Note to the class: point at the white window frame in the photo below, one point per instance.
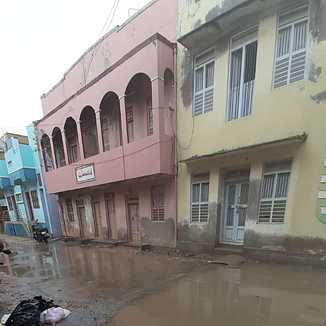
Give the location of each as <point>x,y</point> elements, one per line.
<point>157,191</point>
<point>273,198</point>
<point>291,52</point>
<point>204,64</point>
<point>200,182</point>
<point>243,45</point>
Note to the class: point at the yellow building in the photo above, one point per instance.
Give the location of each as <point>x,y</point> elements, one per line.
<point>251,124</point>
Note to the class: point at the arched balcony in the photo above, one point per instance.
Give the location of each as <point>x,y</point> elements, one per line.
<point>110,121</point>
<point>89,132</point>
<point>72,143</point>
<point>139,112</point>
<point>59,152</point>
<point>47,153</point>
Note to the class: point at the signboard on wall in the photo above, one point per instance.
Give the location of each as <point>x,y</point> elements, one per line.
<point>85,173</point>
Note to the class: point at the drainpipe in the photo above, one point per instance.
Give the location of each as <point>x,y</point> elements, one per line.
<point>175,144</point>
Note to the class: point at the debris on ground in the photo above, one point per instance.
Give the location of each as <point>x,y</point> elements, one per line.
<point>35,312</point>
<point>54,315</point>
<point>232,261</point>
<point>4,319</point>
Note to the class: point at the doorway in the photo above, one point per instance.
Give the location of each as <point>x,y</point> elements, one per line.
<point>110,212</point>
<point>96,217</point>
<point>235,211</point>
<point>16,209</point>
<point>81,213</point>
<point>133,219</point>
<point>29,206</point>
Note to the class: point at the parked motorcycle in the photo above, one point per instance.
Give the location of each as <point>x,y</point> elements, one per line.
<point>40,234</point>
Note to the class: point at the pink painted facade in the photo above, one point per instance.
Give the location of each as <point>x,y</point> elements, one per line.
<point>114,113</point>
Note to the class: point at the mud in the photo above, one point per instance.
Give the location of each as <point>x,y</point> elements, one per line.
<point>94,282</point>
<point>122,287</point>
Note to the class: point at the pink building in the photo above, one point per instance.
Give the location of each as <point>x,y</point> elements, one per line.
<point>108,133</point>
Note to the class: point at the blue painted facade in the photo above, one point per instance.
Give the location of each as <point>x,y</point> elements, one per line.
<point>22,184</point>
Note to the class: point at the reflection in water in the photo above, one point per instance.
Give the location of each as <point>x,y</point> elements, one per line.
<point>255,295</point>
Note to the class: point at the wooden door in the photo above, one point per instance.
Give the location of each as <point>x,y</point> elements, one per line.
<point>97,218</point>
<point>133,220</point>
<point>110,212</point>
<point>29,206</point>
<point>81,213</point>
<point>236,204</point>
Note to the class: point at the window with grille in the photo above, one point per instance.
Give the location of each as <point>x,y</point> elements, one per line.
<point>35,200</point>
<point>291,47</point>
<point>39,180</point>
<point>130,124</point>
<point>274,193</point>
<point>199,200</point>
<point>204,83</point>
<point>149,110</point>
<point>157,204</point>
<point>19,197</point>
<point>242,75</point>
<point>70,210</point>
<point>9,201</point>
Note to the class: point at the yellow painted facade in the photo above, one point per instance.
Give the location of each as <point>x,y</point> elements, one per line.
<point>277,114</point>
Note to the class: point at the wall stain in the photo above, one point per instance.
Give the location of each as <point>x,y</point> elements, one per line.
<point>314,73</point>
<point>319,97</point>
<point>197,24</point>
<point>318,22</point>
<point>186,88</point>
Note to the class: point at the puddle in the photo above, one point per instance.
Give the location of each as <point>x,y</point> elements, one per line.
<point>256,295</point>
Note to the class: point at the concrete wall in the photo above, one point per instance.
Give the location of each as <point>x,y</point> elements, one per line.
<point>155,233</point>
<point>277,113</point>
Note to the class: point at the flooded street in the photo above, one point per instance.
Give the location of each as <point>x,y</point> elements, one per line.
<point>122,287</point>
<point>255,295</point>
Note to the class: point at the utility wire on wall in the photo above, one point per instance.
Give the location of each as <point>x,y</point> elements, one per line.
<point>105,28</point>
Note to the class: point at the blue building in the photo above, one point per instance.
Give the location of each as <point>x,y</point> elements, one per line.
<point>21,182</point>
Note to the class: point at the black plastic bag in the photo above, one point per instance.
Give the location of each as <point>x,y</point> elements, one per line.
<point>27,312</point>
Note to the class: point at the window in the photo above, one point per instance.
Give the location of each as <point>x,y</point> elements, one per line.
<point>35,200</point>
<point>242,75</point>
<point>10,206</point>
<point>291,47</point>
<point>73,153</point>
<point>157,204</point>
<point>149,110</point>
<point>204,83</point>
<point>39,180</point>
<point>274,193</point>
<point>130,124</point>
<point>199,202</point>
<point>70,210</point>
<point>8,144</point>
<point>19,197</point>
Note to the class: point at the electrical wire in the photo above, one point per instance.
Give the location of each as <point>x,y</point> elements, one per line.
<point>107,23</point>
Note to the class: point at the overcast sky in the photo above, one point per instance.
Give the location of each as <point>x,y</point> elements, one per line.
<point>40,40</point>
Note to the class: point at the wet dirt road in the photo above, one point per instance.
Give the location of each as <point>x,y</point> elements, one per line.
<point>99,283</point>
<point>92,281</point>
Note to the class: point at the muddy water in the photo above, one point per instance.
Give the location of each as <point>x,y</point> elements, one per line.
<point>255,295</point>
<point>93,281</point>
